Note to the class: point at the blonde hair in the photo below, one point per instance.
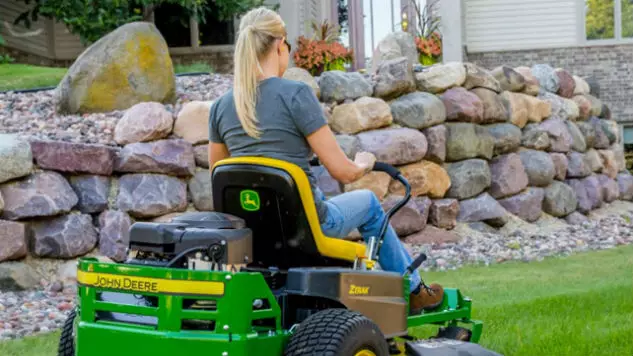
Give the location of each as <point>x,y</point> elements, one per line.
<point>259,29</point>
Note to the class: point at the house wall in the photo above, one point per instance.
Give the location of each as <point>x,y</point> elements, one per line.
<point>35,40</point>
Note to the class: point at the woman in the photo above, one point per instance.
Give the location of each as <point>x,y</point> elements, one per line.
<point>265,115</point>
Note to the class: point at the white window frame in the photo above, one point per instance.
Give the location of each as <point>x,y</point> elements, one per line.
<point>617,18</point>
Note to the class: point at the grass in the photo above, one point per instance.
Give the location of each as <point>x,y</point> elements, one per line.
<point>24,76</point>
<point>578,305</point>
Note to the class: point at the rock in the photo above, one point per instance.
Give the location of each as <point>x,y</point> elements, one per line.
<point>92,192</point>
<point>537,109</point>
<point>578,142</point>
<point>377,182</point>
<point>463,105</point>
<point>478,77</point>
<point>144,122</point>
<point>584,204</point>
<point>18,276</point>
<point>618,152</point>
<point>526,205</point>
<point>559,200</point>
<point>394,146</point>
<point>432,235</point>
<point>509,79</point>
<point>201,190</point>
<point>40,194</point>
<point>201,155</point>
<point>610,188</point>
<point>556,102</point>
<point>611,130</point>
<point>172,156</point>
<point>436,139</point>
<point>535,139</point>
<point>440,77</point>
<point>418,110</point>
<point>395,45</point>
<point>114,234</point>
<point>464,141</point>
<point>411,218</point>
<point>301,75</point>
<point>394,78</point>
<point>508,176</point>
<point>338,86</point>
<point>443,213</point>
<point>507,137</point>
<point>73,157</point>
<point>601,140</point>
<point>328,185</point>
<point>539,167</point>
<point>516,106</point>
<point>594,86</point>
<point>532,85</point>
<point>605,112</point>
<point>192,123</point>
<point>593,160</point>
<point>559,136</point>
<point>16,158</point>
<point>66,236</point>
<point>151,195</point>
<point>468,178</point>
<point>566,83</point>
<point>482,208</point>
<point>578,166</point>
<point>13,240</point>
<point>569,110</point>
<point>495,109</point>
<point>609,164</point>
<point>361,115</point>
<point>580,86</point>
<point>589,133</point>
<point>126,66</point>
<point>576,218</point>
<point>596,105</point>
<point>349,144</point>
<point>547,77</point>
<point>560,165</point>
<point>584,106</point>
<point>594,191</point>
<point>625,185</point>
<point>425,178</point>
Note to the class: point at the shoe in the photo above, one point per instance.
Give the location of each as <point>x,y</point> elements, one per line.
<point>426,299</point>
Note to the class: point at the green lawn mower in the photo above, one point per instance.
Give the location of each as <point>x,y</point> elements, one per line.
<point>257,277</point>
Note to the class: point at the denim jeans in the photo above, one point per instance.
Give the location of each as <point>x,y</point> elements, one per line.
<point>361,209</point>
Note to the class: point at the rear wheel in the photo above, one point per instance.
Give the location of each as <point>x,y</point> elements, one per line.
<point>67,339</point>
<point>337,332</point>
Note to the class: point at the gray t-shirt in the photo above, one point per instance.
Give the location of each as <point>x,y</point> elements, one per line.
<point>287,111</point>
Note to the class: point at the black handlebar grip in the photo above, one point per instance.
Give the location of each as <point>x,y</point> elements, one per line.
<point>387,168</point>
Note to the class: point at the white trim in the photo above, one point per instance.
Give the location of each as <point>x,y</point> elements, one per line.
<point>617,27</point>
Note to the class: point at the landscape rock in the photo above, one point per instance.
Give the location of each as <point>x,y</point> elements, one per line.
<point>584,203</point>
<point>192,123</point>
<point>566,83</point>
<point>412,217</point>
<point>559,136</point>
<point>589,133</point>
<point>418,110</point>
<point>39,194</point>
<point>465,140</point>
<point>393,78</point>
<point>539,167</point>
<point>18,276</point>
<point>576,218</point>
<point>570,110</point>
<point>580,86</point>
<point>395,146</point>
<point>536,139</point>
<point>625,185</point>
<point>92,191</point>
<point>560,165</point>
<point>13,240</point>
<point>201,190</point>
<point>468,178</point>
<point>596,105</point>
<point>361,115</point>
<point>73,157</point>
<point>65,236</point>
<point>144,122</point>
<point>328,185</point>
<point>584,106</point>
<point>547,77</point>
<point>610,188</point>
<point>146,195</point>
<point>463,105</point>
<point>526,205</point>
<point>349,144</point>
<point>377,182</point>
<point>16,158</point>
<point>201,155</point>
<point>425,178</point>
<point>440,77</point>
<point>601,140</point>
<point>338,86</point>
<point>443,213</point>
<point>594,190</point>
<point>436,139</point>
<point>537,109</point>
<point>516,106</point>
<point>609,164</point>
<point>126,66</point>
<point>509,79</point>
<point>532,85</point>
<point>171,156</point>
<point>592,158</point>
<point>507,137</point>
<point>114,234</point>
<point>618,153</point>
<point>559,200</point>
<point>508,176</point>
<point>611,130</point>
<point>302,75</point>
<point>578,166</point>
<point>395,45</point>
<point>494,108</point>
<point>482,208</point>
<point>578,142</point>
<point>432,235</point>
<point>605,112</point>
<point>478,77</point>
<point>556,103</point>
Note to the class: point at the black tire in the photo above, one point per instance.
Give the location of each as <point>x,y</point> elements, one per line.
<point>67,339</point>
<point>336,332</point>
<point>454,333</point>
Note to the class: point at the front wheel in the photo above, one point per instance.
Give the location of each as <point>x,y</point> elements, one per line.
<point>67,339</point>
<point>337,332</point>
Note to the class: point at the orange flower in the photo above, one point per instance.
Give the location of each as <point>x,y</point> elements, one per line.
<point>316,55</point>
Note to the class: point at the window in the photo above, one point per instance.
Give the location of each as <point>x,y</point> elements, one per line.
<point>608,19</point>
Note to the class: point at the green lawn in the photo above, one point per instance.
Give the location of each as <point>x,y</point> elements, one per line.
<point>24,76</point>
<point>579,305</point>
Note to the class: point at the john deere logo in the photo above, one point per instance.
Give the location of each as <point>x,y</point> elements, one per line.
<point>249,200</point>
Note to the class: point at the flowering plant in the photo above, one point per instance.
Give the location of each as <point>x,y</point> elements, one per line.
<point>430,48</point>
<point>322,52</point>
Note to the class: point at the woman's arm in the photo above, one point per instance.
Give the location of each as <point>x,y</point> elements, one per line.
<point>217,152</point>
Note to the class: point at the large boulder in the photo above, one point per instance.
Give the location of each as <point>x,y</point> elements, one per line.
<point>560,199</point>
<point>578,142</point>
<point>201,155</point>
<point>465,140</point>
<point>418,110</point>
<point>495,110</point>
<point>463,105</point>
<point>114,234</point>
<point>412,217</point>
<point>560,138</point>
<point>393,78</point>
<point>301,75</point>
<point>338,86</point>
<point>508,176</point>
<point>535,138</point>
<point>538,166</point>
<point>561,163</point>
<point>509,79</point>
<point>566,83</point>
<point>601,139</point>
<point>482,208</point>
<point>426,178</point>
<point>610,188</point>
<point>144,122</point>
<point>478,77</point>
<point>609,163</point>
<point>363,114</point>
<point>377,182</point>
<point>18,276</point>
<point>584,106</point>
<point>395,45</point>
<point>201,190</point>
<point>588,132</point>
<point>468,178</point>
<point>65,236</point>
<point>349,144</point>
<point>16,158</point>
<point>92,191</point>
<point>532,85</point>
<point>580,86</point>
<point>516,105</point>
<point>127,66</point>
<point>526,205</point>
<point>74,157</point>
<point>578,166</point>
<point>396,146</point>
<point>328,185</point>
<point>444,213</point>
<point>173,156</point>
<point>507,137</point>
<point>192,123</point>
<point>440,77</point>
<point>593,159</point>
<point>625,185</point>
<point>436,139</point>
<point>147,195</point>
<point>13,240</point>
<point>537,109</point>
<point>546,76</point>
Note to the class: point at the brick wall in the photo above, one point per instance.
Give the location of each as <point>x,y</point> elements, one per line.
<point>611,66</point>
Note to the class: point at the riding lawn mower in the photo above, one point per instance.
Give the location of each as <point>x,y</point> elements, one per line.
<point>257,277</point>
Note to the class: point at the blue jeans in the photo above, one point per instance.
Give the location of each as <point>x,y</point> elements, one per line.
<point>361,209</point>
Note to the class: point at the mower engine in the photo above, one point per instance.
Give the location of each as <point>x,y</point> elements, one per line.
<point>197,241</point>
